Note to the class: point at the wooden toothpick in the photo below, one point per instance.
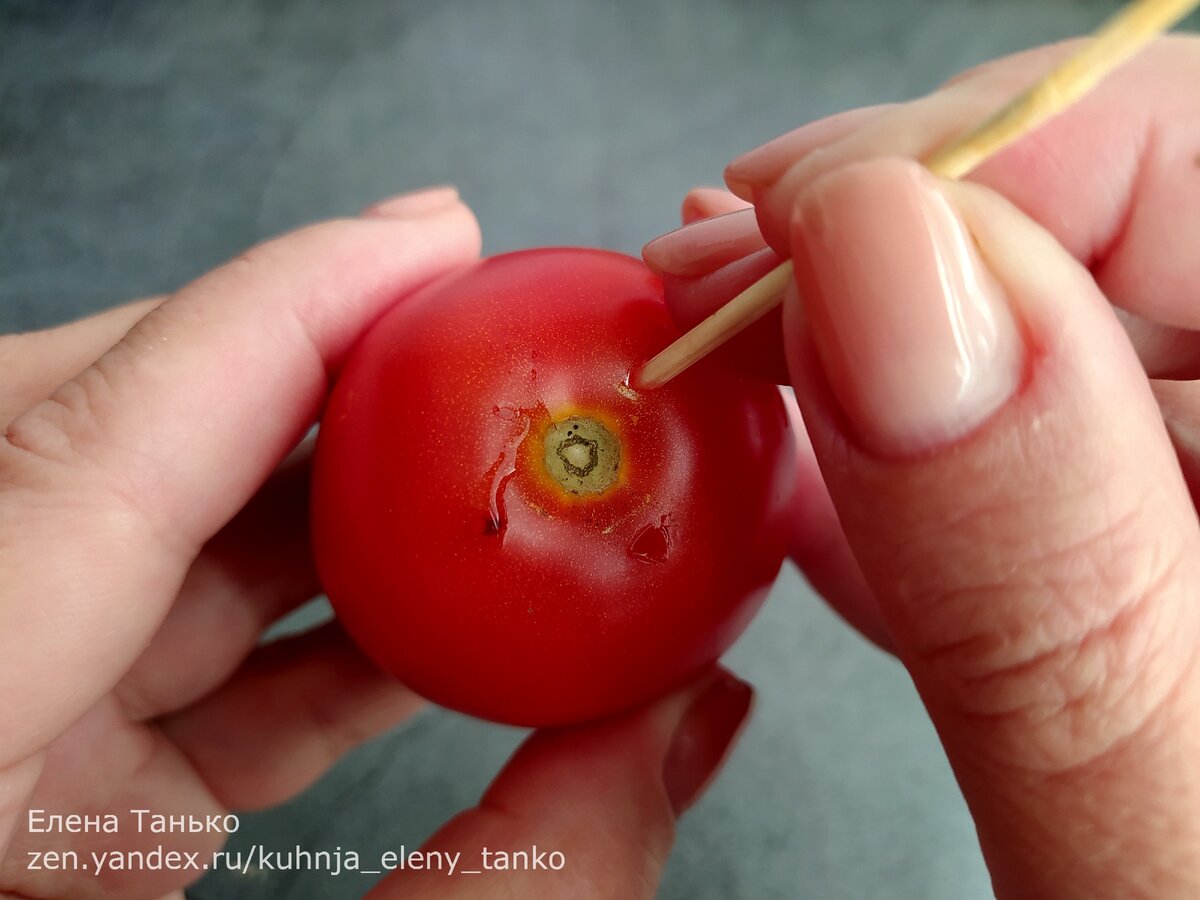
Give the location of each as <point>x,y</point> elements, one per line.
<point>1118,39</point>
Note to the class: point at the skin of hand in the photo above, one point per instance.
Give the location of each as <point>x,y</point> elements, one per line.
<point>998,379</point>
<point>153,522</point>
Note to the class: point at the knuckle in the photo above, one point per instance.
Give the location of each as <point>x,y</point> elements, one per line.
<point>66,426</point>
<point>1067,654</point>
<point>61,447</point>
<point>21,356</point>
<point>12,364</point>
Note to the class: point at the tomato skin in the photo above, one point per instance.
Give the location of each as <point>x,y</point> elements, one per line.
<point>461,567</point>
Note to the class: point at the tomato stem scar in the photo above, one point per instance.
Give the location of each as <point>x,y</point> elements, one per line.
<point>582,455</point>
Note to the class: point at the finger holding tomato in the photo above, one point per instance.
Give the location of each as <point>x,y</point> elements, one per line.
<point>999,378</point>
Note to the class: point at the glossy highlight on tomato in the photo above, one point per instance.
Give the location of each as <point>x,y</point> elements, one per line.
<point>501,522</point>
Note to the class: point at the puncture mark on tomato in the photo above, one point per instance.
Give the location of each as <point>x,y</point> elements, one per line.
<point>652,544</point>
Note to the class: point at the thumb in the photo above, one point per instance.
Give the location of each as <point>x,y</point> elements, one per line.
<point>1005,480</point>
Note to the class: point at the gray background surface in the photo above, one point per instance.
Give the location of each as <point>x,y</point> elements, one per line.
<point>143,143</point>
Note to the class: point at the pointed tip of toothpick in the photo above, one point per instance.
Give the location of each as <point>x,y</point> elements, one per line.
<point>628,388</point>
<point>730,320</point>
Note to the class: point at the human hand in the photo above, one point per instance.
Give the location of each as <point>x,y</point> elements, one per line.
<point>151,529</point>
<point>1015,472</point>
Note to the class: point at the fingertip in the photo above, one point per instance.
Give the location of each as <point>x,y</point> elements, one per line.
<point>754,175</point>
<point>459,219</point>
<point>436,216</point>
<point>449,219</point>
<point>630,754</point>
<point>738,186</point>
<point>706,202</point>
<point>705,245</point>
<point>703,739</point>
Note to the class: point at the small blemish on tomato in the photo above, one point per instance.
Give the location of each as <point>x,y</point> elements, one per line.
<point>652,544</point>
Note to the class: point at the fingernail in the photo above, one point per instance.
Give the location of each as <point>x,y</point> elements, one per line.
<point>703,739</point>
<point>915,335</point>
<point>764,165</point>
<point>414,204</point>
<point>703,246</point>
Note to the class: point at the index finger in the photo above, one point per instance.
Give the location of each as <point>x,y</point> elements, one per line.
<point>1115,178</point>
<point>109,488</point>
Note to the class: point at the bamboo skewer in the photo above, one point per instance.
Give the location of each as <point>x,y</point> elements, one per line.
<point>1114,43</point>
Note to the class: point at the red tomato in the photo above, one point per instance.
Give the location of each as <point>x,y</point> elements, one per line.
<point>504,525</point>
